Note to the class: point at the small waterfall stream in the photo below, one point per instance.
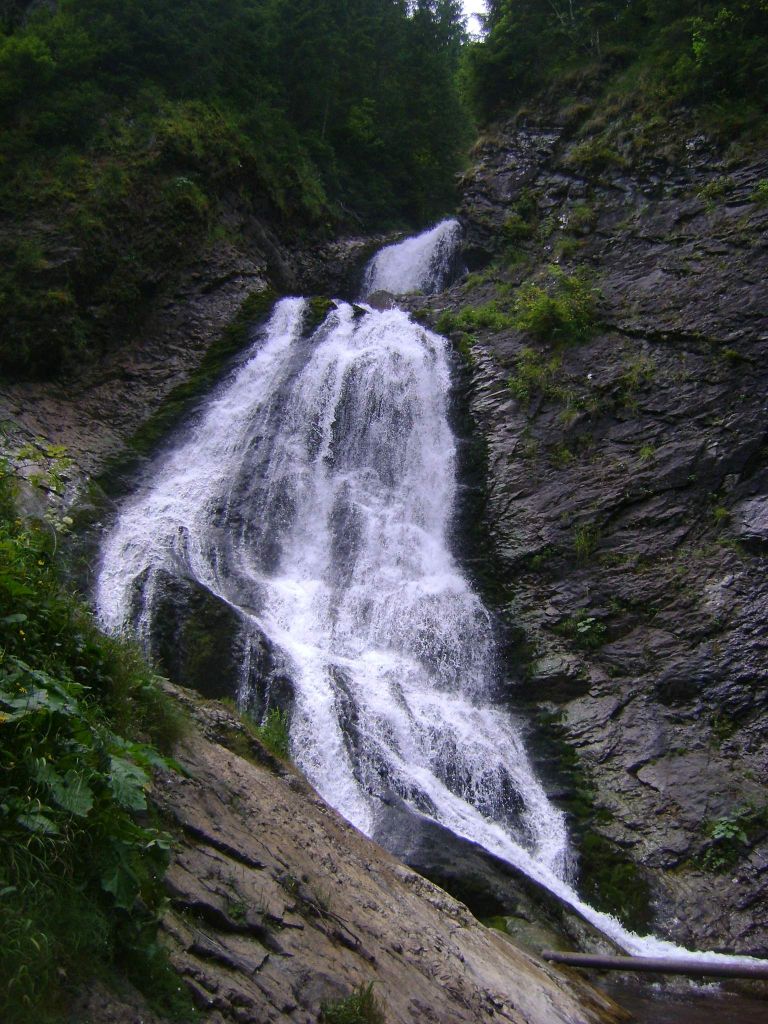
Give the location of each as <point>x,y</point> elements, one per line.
<point>314,495</point>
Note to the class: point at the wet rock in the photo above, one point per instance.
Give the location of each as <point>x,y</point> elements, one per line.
<point>626,500</point>
<point>752,522</point>
<point>277,905</point>
<point>196,637</point>
<point>488,885</point>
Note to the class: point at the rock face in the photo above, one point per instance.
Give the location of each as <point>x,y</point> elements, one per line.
<point>95,413</point>
<point>278,906</point>
<point>627,499</point>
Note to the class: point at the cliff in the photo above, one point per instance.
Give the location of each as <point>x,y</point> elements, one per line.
<point>614,334</point>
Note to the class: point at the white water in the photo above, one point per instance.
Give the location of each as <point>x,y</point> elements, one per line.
<point>314,496</point>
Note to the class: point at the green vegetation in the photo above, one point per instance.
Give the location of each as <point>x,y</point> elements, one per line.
<point>137,135</point>
<point>721,515</point>
<point>730,838</point>
<point>533,375</point>
<point>584,629</point>
<point>472,318</point>
<point>647,453</point>
<point>563,309</point>
<point>715,191</point>
<point>522,221</point>
<point>760,195</point>
<point>82,721</point>
<point>361,1007</point>
<point>273,732</point>
<point>585,541</point>
<point>661,53</point>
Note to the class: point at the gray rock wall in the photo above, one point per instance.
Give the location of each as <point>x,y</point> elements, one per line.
<point>626,505</point>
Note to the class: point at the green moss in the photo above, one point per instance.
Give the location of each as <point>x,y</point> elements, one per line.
<point>613,883</point>
<point>318,310</point>
<point>607,877</point>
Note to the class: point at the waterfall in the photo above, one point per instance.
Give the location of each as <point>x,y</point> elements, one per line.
<point>314,496</point>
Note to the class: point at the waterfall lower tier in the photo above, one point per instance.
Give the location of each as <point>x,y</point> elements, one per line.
<point>313,499</point>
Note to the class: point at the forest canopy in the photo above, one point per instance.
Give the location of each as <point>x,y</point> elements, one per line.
<point>132,127</point>
<point>697,50</point>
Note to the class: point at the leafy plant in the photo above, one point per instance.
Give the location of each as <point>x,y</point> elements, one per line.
<point>81,862</point>
<point>728,840</point>
<point>760,194</point>
<point>584,629</point>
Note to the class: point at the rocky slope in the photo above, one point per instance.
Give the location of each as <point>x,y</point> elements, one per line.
<point>627,503</point>
<point>278,906</point>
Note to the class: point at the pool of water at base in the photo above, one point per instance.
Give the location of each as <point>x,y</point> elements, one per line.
<point>662,1004</point>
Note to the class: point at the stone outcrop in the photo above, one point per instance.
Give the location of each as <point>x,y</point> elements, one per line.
<point>627,489</point>
<point>278,906</point>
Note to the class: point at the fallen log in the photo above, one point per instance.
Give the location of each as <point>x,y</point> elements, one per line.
<point>661,965</point>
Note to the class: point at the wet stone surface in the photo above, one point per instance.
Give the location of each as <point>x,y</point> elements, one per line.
<point>627,505</point>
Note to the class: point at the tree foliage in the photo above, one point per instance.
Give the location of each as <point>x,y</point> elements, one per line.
<point>133,128</point>
<point>704,49</point>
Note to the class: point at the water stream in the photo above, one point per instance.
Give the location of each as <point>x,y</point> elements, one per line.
<point>314,495</point>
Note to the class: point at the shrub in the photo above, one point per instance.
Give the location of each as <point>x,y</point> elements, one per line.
<point>563,310</point>
<point>534,375</point>
<point>593,156</point>
<point>582,219</point>
<point>516,229</point>
<point>715,191</point>
<point>471,318</point>
<point>728,840</point>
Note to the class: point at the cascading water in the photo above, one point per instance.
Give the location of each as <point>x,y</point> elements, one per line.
<point>314,497</point>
